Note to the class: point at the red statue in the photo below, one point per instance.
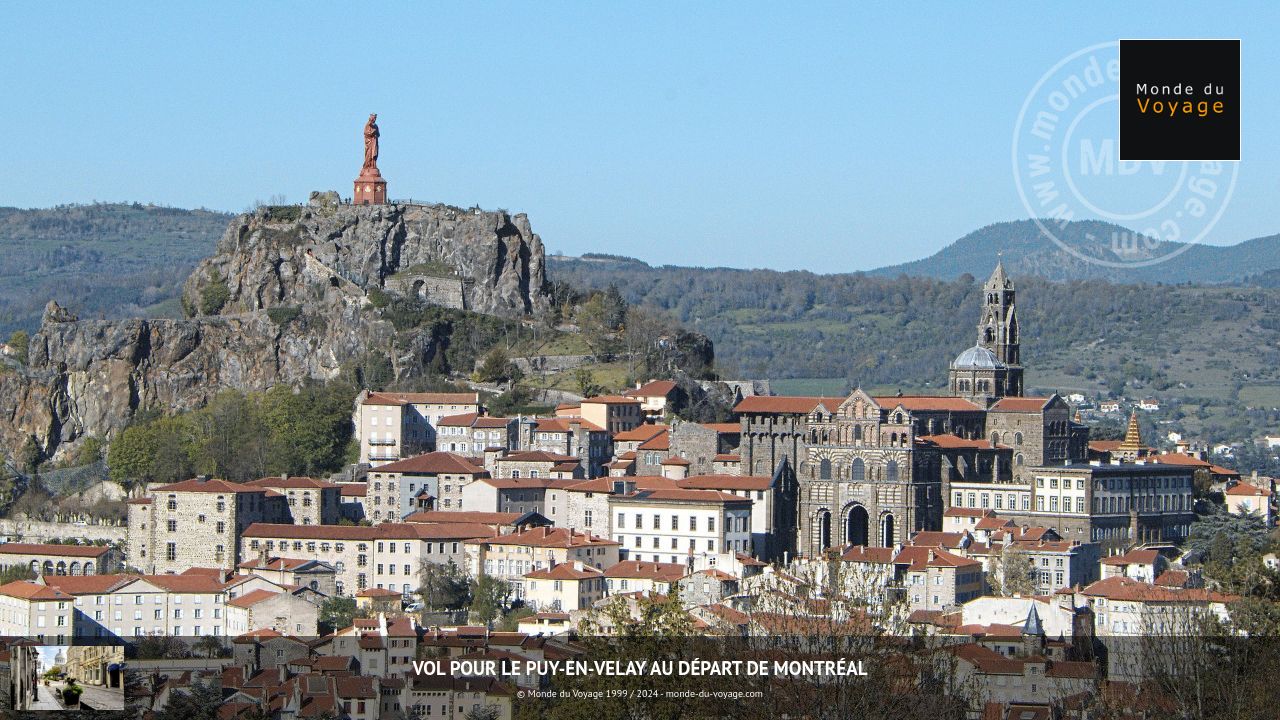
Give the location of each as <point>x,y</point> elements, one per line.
<point>371,143</point>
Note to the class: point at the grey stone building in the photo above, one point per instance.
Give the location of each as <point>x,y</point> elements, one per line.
<point>871,470</point>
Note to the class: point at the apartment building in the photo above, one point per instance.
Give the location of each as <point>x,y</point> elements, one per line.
<point>197,523</point>
<point>655,397</point>
<point>472,434</point>
<point>423,482</point>
<point>310,501</point>
<point>678,525</point>
<point>585,505</point>
<point>771,515</point>
<point>300,572</point>
<point>564,587</point>
<point>388,556</point>
<point>646,577</point>
<point>935,579</point>
<point>392,425</point>
<point>190,605</point>
<point>534,464</point>
<point>32,610</point>
<point>510,557</point>
<point>574,437</point>
<point>614,413</point>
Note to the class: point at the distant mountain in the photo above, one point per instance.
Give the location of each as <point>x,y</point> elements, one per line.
<point>110,260</point>
<point>1025,250</point>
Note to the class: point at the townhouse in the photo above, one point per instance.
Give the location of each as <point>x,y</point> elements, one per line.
<point>32,610</point>
<point>309,501</point>
<point>430,481</point>
<point>472,434</point>
<point>564,587</point>
<point>575,437</point>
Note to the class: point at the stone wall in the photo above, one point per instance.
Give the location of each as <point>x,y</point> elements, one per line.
<point>447,291</point>
<point>36,531</point>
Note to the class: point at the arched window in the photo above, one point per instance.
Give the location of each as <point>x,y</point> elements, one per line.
<point>858,470</point>
<point>48,567</point>
<point>824,469</point>
<point>75,568</point>
<point>90,568</point>
<point>857,432</point>
<point>897,418</point>
<point>1017,438</point>
<point>1017,459</point>
<point>891,471</point>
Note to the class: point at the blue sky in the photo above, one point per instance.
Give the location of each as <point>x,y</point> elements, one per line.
<point>830,137</point>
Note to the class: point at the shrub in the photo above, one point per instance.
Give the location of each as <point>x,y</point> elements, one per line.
<point>283,315</point>
<point>214,296</point>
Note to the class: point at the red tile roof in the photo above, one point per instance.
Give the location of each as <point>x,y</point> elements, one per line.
<point>948,441</point>
<point>727,482</point>
<point>1241,489</point>
<point>253,597</point>
<point>926,402</point>
<point>1119,587</point>
<point>432,463</point>
<point>676,460</point>
<point>547,537</point>
<point>1138,557</point>
<point>463,516</point>
<point>640,433</point>
<point>661,441</point>
<point>32,591</point>
<point>1020,404</point>
<point>605,484</point>
<point>209,486</point>
<point>724,428</point>
<point>377,593</point>
<point>784,404</point>
<point>88,584</point>
<point>635,569</point>
<point>653,388</point>
<point>292,482</point>
<point>566,571</point>
<point>611,400</point>
<point>354,489</point>
<point>864,554</point>
<point>684,495</point>
<point>402,398</point>
<point>538,456</point>
<point>564,425</point>
<point>18,548</point>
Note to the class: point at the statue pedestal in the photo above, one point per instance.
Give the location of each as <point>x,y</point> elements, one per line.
<point>370,189</point>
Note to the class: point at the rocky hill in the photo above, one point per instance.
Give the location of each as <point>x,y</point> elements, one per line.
<point>290,293</point>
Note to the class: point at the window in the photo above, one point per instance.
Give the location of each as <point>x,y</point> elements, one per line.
<point>172,525</point>
<point>171,551</point>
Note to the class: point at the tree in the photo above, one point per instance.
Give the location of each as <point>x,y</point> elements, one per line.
<point>30,455</point>
<point>214,296</point>
<point>489,597</point>
<point>90,451</point>
<point>585,382</point>
<point>1019,572</point>
<point>209,645</point>
<point>200,702</point>
<point>20,344</point>
<point>444,587</point>
<point>338,612</point>
<point>483,712</point>
<point>496,366</point>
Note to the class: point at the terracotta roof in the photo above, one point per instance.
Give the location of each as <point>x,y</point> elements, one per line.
<point>640,433</point>
<point>185,583</point>
<point>724,428</point>
<point>292,481</point>
<point>1119,587</point>
<point>1139,557</point>
<point>546,537</point>
<point>431,463</point>
<point>726,457</point>
<point>275,563</point>
<point>88,584</point>
<point>89,551</point>
<point>918,558</point>
<point>653,388</point>
<point>727,482</point>
<point>1241,489</point>
<point>784,404</point>
<point>1020,404</point>
<point>355,686</point>
<point>862,553</point>
<point>1173,578</point>
<point>605,484</point>
<point>661,572</point>
<point>683,495</point>
<point>463,516</point>
<point>966,512</point>
<point>209,486</point>
<point>354,489</point>
<point>377,593</point>
<point>564,425</point>
<point>611,400</point>
<point>1105,445</point>
<point>1184,459</point>
<point>716,574</point>
<point>676,460</point>
<point>463,420</point>
<point>401,398</point>
<point>566,571</point>
<point>138,501</point>
<point>948,441</point>
<point>932,538</point>
<point>926,402</point>
<point>538,456</point>
<point>661,441</point>
<point>253,597</point>
<point>32,591</point>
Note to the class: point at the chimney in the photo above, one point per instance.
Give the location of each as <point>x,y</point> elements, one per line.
<point>284,476</point>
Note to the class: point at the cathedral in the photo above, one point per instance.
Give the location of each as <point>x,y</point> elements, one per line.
<point>872,470</point>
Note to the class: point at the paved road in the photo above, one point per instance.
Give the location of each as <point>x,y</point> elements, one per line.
<point>100,698</point>
<point>47,697</point>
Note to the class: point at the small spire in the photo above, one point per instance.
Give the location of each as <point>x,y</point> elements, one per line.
<point>1033,626</point>
<point>998,277</point>
<point>1132,435</point>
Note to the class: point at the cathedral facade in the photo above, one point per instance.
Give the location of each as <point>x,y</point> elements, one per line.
<point>872,470</point>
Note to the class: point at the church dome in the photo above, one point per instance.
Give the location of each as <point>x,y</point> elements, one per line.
<point>977,357</point>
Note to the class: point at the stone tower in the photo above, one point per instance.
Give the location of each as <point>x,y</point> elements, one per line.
<point>992,368</point>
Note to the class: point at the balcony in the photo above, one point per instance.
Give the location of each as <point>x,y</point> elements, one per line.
<point>383,441</point>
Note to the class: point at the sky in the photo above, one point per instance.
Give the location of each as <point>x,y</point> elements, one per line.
<point>826,137</point>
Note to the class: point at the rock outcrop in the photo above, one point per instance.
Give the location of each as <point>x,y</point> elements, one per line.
<point>295,305</point>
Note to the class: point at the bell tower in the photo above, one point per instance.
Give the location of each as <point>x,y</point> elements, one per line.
<point>998,326</point>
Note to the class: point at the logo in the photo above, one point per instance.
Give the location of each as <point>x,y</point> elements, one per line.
<point>1067,167</point>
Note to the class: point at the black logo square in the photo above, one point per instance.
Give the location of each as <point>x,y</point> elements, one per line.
<point>1179,99</point>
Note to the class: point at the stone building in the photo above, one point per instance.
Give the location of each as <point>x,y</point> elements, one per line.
<point>871,470</point>
<point>395,490</point>
<point>101,665</point>
<point>702,443</point>
<point>197,523</point>
<point>395,425</point>
<point>310,501</point>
